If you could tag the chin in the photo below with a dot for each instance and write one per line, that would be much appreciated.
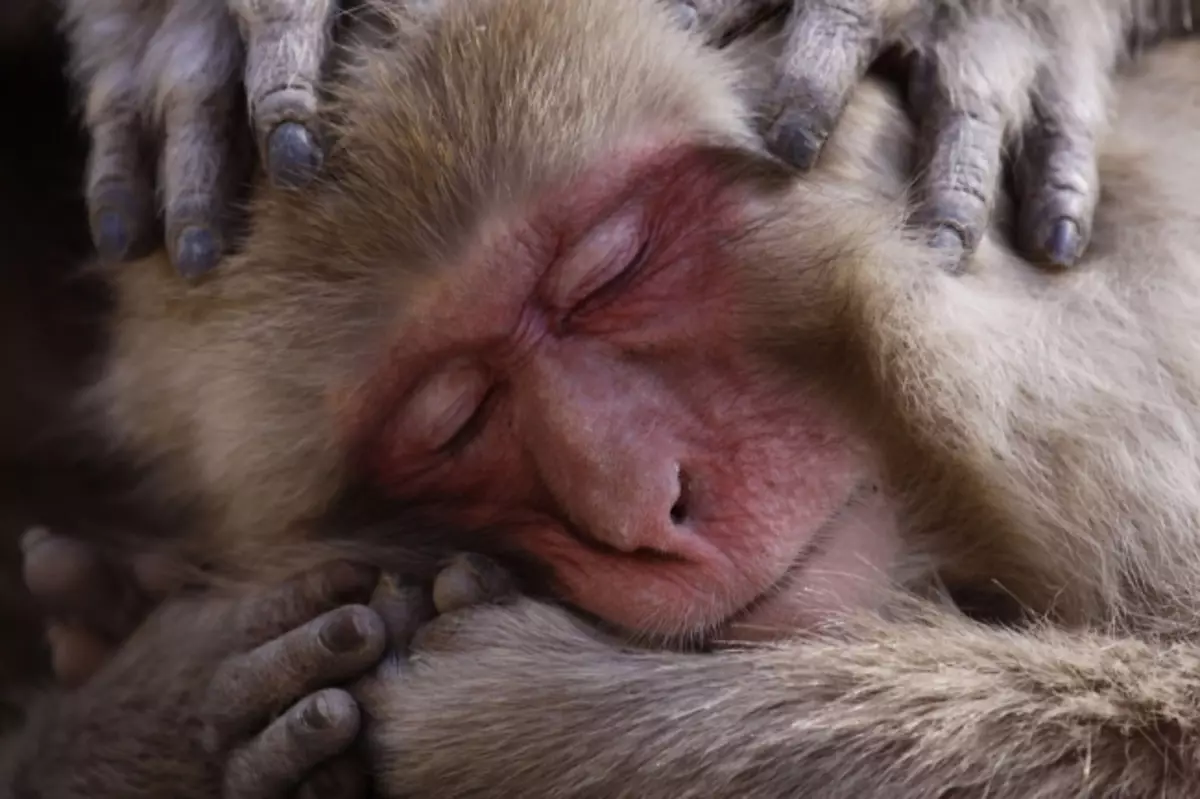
(849, 571)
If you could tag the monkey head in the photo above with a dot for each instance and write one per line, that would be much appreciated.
(522, 295)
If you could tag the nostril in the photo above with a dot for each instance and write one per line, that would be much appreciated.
(679, 510)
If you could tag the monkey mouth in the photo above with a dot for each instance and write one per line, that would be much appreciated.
(816, 546)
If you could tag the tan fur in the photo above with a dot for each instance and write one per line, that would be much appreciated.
(1042, 429)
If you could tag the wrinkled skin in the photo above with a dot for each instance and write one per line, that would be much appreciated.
(163, 84)
(163, 87)
(985, 78)
(229, 693)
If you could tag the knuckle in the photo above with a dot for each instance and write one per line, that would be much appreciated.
(848, 14)
(290, 102)
(279, 12)
(230, 676)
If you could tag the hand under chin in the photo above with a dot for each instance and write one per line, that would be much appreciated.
(852, 571)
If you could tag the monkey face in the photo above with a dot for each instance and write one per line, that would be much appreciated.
(580, 380)
(519, 296)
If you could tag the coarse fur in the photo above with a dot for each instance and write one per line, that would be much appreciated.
(161, 82)
(1061, 413)
(1038, 431)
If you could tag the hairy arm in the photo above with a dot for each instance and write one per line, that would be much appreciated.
(938, 707)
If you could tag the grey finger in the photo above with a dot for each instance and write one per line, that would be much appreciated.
(57, 569)
(962, 167)
(829, 45)
(343, 777)
(286, 42)
(1057, 177)
(964, 114)
(302, 598)
(312, 731)
(404, 610)
(120, 186)
(72, 580)
(248, 688)
(471, 579)
(197, 166)
(107, 49)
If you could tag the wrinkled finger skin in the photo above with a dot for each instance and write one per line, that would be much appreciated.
(416, 618)
(162, 87)
(286, 42)
(144, 725)
(314, 730)
(991, 85)
(455, 664)
(989, 80)
(248, 688)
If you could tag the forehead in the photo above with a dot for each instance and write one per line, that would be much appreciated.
(489, 102)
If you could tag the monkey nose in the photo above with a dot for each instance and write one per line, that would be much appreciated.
(680, 511)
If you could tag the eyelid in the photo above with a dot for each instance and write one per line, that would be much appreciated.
(602, 254)
(444, 404)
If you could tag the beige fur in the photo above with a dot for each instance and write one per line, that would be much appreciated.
(1040, 428)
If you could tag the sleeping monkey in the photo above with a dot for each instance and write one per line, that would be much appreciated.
(935, 532)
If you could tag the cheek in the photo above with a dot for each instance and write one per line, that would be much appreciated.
(775, 478)
(853, 571)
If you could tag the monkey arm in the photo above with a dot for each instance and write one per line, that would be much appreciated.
(522, 701)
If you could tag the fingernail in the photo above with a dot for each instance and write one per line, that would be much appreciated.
(318, 715)
(196, 251)
(33, 538)
(342, 634)
(1062, 245)
(293, 156)
(111, 235)
(797, 146)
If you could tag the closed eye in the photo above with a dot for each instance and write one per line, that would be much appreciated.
(617, 285)
(472, 427)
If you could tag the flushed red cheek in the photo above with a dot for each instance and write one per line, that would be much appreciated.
(768, 486)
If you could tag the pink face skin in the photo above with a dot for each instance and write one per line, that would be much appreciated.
(599, 403)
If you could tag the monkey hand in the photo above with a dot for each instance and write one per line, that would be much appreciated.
(219, 695)
(93, 599)
(486, 645)
(988, 78)
(170, 74)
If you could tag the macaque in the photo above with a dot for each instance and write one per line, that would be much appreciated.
(718, 403)
(933, 532)
(164, 85)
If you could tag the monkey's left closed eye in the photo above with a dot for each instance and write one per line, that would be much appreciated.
(615, 285)
(438, 411)
(471, 428)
